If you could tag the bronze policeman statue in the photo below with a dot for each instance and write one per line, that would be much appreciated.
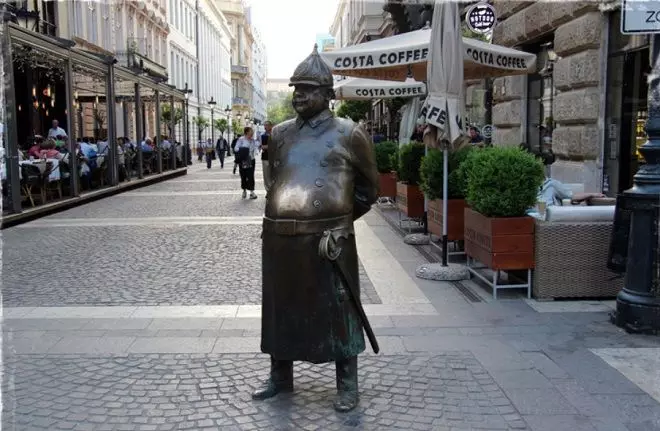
(323, 178)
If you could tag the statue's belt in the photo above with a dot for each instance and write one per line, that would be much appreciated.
(306, 227)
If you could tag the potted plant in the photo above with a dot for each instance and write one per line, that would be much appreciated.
(502, 184)
(387, 178)
(409, 197)
(431, 173)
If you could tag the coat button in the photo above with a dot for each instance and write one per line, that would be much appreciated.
(329, 144)
(318, 182)
(317, 203)
(324, 163)
(276, 163)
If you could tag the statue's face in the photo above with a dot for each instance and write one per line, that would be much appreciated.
(309, 100)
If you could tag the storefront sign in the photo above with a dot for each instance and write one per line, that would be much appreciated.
(496, 60)
(481, 18)
(393, 92)
(640, 16)
(385, 59)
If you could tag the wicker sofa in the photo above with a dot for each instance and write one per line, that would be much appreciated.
(571, 247)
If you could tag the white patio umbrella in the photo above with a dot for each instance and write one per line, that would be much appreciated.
(409, 117)
(367, 89)
(393, 58)
(443, 106)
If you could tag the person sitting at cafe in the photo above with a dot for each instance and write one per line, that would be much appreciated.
(147, 146)
(35, 149)
(552, 191)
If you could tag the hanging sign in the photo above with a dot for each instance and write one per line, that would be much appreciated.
(481, 18)
(419, 90)
(640, 16)
(487, 131)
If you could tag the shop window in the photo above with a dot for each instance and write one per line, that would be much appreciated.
(541, 93)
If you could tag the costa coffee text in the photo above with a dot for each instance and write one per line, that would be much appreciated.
(382, 92)
(503, 61)
(385, 59)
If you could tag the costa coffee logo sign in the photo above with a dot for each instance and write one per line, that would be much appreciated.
(481, 18)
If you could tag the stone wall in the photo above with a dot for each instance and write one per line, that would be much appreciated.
(577, 28)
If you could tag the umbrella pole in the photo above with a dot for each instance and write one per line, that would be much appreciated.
(425, 219)
(445, 197)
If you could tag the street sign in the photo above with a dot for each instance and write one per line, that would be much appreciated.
(640, 16)
(487, 131)
(481, 18)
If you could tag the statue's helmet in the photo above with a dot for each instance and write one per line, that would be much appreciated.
(312, 71)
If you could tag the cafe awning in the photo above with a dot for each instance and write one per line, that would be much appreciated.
(391, 58)
(366, 89)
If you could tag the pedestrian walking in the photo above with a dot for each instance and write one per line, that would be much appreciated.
(245, 150)
(265, 139)
(221, 148)
(200, 151)
(234, 150)
(208, 150)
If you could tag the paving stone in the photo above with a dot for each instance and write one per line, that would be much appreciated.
(142, 265)
(399, 391)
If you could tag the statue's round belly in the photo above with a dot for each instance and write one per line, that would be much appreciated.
(305, 194)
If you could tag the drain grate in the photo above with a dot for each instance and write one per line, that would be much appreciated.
(466, 292)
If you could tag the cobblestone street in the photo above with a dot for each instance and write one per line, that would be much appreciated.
(141, 311)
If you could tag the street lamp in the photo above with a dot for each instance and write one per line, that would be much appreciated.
(212, 103)
(186, 92)
(634, 247)
(228, 113)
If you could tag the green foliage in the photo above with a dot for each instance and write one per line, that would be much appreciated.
(431, 172)
(201, 123)
(502, 181)
(236, 127)
(166, 116)
(384, 151)
(356, 110)
(410, 159)
(221, 125)
(281, 110)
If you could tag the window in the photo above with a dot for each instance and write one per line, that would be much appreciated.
(540, 97)
(92, 22)
(171, 12)
(78, 17)
(171, 68)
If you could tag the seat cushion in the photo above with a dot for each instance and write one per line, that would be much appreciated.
(578, 213)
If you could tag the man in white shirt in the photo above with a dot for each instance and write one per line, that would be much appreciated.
(246, 148)
(56, 131)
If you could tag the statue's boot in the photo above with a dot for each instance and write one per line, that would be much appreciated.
(280, 380)
(347, 385)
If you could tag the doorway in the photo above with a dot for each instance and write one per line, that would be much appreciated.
(627, 113)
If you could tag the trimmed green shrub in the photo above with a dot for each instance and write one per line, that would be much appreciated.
(502, 181)
(410, 158)
(384, 151)
(431, 172)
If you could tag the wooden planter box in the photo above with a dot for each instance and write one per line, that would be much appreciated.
(455, 217)
(499, 243)
(387, 185)
(410, 200)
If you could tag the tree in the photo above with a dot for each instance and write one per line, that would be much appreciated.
(201, 123)
(166, 117)
(221, 125)
(466, 32)
(236, 127)
(356, 110)
(281, 110)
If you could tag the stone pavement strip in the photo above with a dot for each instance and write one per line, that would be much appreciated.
(150, 320)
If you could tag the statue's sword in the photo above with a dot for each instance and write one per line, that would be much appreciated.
(328, 249)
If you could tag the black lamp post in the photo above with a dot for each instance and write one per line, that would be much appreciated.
(212, 103)
(186, 143)
(635, 232)
(228, 113)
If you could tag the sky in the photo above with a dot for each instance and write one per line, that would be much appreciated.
(289, 28)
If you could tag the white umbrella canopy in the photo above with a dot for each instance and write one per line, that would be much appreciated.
(391, 58)
(443, 105)
(367, 89)
(409, 120)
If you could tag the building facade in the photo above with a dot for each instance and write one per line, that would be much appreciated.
(241, 62)
(259, 71)
(587, 99)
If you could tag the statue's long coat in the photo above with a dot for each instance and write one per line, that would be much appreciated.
(320, 168)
